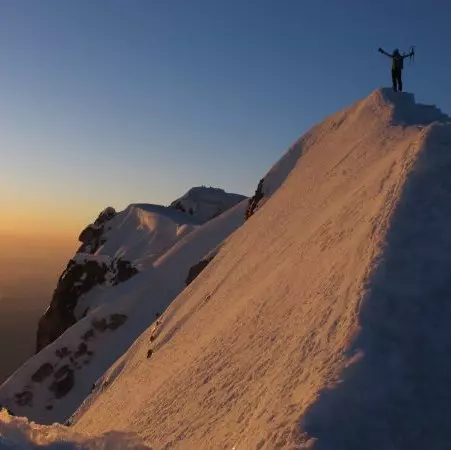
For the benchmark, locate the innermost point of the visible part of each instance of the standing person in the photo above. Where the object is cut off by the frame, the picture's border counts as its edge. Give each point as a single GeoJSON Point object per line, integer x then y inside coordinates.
{"type": "Point", "coordinates": [397, 66]}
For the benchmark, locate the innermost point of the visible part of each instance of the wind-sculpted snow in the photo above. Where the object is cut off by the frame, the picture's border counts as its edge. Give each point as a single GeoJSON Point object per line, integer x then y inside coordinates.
{"type": "Point", "coordinates": [397, 394]}
{"type": "Point", "coordinates": [111, 315]}
{"type": "Point", "coordinates": [322, 321]}
{"type": "Point", "coordinates": [17, 433]}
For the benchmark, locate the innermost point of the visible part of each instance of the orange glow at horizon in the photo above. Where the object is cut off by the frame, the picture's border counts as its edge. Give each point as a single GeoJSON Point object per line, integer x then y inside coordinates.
{"type": "Point", "coordinates": [45, 218]}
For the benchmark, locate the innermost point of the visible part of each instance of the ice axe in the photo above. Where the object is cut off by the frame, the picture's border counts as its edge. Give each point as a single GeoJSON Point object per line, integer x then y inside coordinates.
{"type": "Point", "coordinates": [412, 51]}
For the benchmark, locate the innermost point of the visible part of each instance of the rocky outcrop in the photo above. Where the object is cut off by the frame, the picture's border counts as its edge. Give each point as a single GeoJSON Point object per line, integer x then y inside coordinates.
{"type": "Point", "coordinates": [255, 199]}
{"type": "Point", "coordinates": [205, 203]}
{"type": "Point", "coordinates": [94, 235]}
{"type": "Point", "coordinates": [58, 375]}
{"type": "Point", "coordinates": [82, 274]}
{"type": "Point", "coordinates": [195, 270]}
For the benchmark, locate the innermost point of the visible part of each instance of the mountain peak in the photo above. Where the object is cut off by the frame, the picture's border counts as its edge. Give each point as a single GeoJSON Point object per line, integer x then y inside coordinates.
{"type": "Point", "coordinates": [402, 108]}
{"type": "Point", "coordinates": [321, 323]}
{"type": "Point", "coordinates": [205, 203]}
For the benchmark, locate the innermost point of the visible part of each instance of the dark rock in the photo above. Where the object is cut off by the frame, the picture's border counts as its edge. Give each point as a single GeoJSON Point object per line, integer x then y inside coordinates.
{"type": "Point", "coordinates": [177, 204]}
{"type": "Point", "coordinates": [195, 270]}
{"type": "Point", "coordinates": [116, 320]}
{"type": "Point", "coordinates": [254, 201]}
{"type": "Point", "coordinates": [68, 422]}
{"type": "Point", "coordinates": [100, 325]}
{"type": "Point", "coordinates": [24, 398]}
{"type": "Point", "coordinates": [93, 236]}
{"type": "Point", "coordinates": [64, 382]}
{"type": "Point", "coordinates": [82, 350]}
{"type": "Point", "coordinates": [42, 373]}
{"type": "Point", "coordinates": [149, 353]}
{"type": "Point", "coordinates": [124, 271]}
{"type": "Point", "coordinates": [62, 371]}
{"type": "Point", "coordinates": [62, 352]}
{"type": "Point", "coordinates": [88, 335]}
{"type": "Point", "coordinates": [77, 279]}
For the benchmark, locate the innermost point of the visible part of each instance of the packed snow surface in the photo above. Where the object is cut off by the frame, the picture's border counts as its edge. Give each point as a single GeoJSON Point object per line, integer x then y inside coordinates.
{"type": "Point", "coordinates": [324, 321]}
{"type": "Point", "coordinates": [17, 433]}
{"type": "Point", "coordinates": [164, 243]}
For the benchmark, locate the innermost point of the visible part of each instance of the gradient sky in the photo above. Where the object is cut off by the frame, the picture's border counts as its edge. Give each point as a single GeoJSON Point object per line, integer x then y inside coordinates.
{"type": "Point", "coordinates": [112, 102]}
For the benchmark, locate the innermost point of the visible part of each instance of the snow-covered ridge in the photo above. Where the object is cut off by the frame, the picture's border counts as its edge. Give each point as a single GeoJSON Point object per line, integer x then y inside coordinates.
{"type": "Point", "coordinates": [111, 302]}
{"type": "Point", "coordinates": [383, 104]}
{"type": "Point", "coordinates": [205, 203]}
{"type": "Point", "coordinates": [312, 327]}
{"type": "Point", "coordinates": [70, 302]}
{"type": "Point", "coordinates": [322, 323]}
{"type": "Point", "coordinates": [114, 248]}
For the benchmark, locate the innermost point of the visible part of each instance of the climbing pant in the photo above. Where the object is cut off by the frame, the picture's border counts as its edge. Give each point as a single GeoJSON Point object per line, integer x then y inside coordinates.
{"type": "Point", "coordinates": [396, 77]}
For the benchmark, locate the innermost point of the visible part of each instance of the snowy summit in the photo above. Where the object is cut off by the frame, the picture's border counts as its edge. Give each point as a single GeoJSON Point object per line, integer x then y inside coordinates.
{"type": "Point", "coordinates": [322, 322]}
{"type": "Point", "coordinates": [205, 203]}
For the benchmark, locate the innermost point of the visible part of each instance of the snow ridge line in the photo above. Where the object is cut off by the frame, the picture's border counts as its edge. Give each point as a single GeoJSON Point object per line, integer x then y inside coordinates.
{"type": "Point", "coordinates": [392, 383]}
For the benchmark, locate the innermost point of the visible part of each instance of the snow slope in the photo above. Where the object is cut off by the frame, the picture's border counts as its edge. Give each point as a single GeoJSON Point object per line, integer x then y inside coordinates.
{"type": "Point", "coordinates": [113, 250]}
{"type": "Point", "coordinates": [143, 232]}
{"type": "Point", "coordinates": [164, 243]}
{"type": "Point", "coordinates": [323, 322]}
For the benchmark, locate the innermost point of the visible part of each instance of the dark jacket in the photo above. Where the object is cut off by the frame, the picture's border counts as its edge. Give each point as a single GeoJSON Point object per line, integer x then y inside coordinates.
{"type": "Point", "coordinates": [397, 59]}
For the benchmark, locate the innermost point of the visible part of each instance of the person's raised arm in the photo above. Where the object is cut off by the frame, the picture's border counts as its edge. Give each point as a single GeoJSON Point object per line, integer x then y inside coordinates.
{"type": "Point", "coordinates": [384, 52]}
{"type": "Point", "coordinates": [408, 55]}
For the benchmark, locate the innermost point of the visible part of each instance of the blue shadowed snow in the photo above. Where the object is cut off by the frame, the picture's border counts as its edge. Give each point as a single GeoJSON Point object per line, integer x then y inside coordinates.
{"type": "Point", "coordinates": [398, 395]}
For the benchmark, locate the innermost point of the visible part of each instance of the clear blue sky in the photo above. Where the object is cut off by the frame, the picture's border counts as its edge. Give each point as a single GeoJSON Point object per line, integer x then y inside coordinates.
{"type": "Point", "coordinates": [111, 102]}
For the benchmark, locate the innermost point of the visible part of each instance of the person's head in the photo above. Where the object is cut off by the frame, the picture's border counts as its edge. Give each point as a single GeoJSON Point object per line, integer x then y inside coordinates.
{"type": "Point", "coordinates": [396, 51]}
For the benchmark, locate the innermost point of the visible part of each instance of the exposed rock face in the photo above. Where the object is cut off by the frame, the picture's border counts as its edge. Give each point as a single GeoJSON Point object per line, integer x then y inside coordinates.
{"type": "Point", "coordinates": [42, 373]}
{"type": "Point", "coordinates": [205, 203]}
{"type": "Point", "coordinates": [83, 272]}
{"type": "Point", "coordinates": [93, 236]}
{"type": "Point", "coordinates": [64, 381]}
{"type": "Point", "coordinates": [254, 201]}
{"type": "Point", "coordinates": [58, 375]}
{"type": "Point", "coordinates": [80, 276]}
{"type": "Point", "coordinates": [195, 270]}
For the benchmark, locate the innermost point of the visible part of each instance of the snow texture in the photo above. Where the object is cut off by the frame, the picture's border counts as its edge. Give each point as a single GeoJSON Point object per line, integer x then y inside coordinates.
{"type": "Point", "coordinates": [165, 243]}
{"type": "Point", "coordinates": [323, 323]}
{"type": "Point", "coordinates": [17, 433]}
